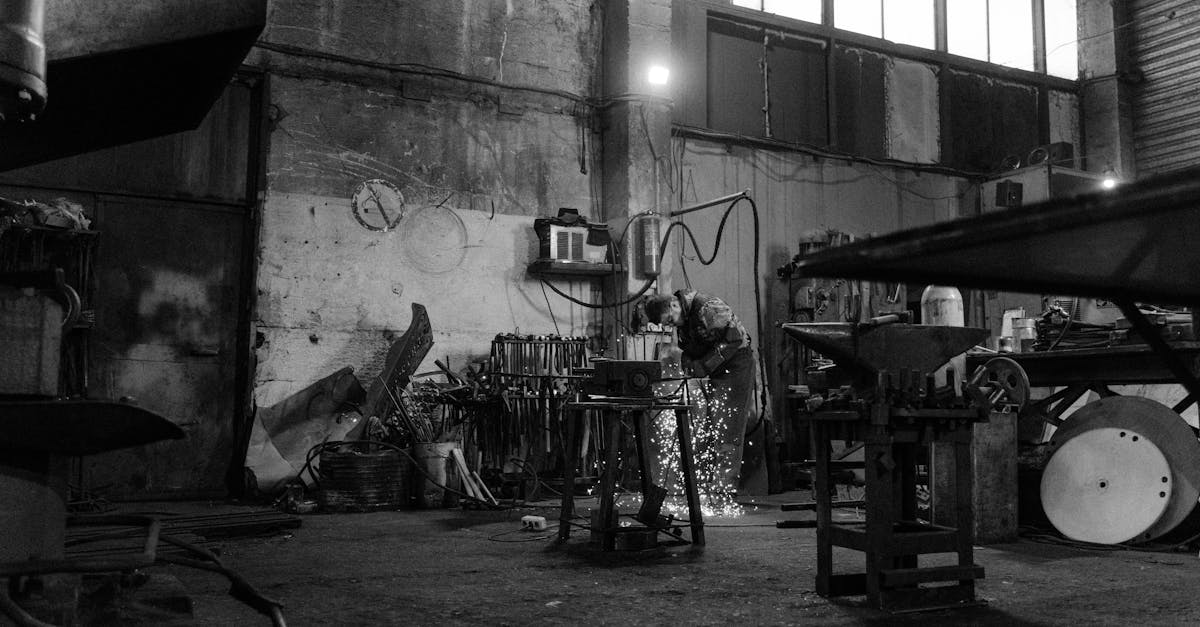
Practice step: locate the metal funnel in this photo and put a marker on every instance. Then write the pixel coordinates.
(870, 348)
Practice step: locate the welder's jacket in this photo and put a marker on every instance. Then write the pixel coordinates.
(712, 339)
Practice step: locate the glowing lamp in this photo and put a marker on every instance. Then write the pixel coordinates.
(658, 75)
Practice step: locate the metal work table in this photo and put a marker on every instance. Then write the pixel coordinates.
(1078, 371)
(1115, 365)
(1134, 243)
(614, 413)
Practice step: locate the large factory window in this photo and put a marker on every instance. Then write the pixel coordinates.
(909, 22)
(806, 10)
(1062, 31)
(1003, 32)
(859, 16)
(750, 72)
(768, 84)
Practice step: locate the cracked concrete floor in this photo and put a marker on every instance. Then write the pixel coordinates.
(462, 567)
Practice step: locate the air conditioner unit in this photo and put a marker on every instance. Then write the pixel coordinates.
(566, 243)
(569, 237)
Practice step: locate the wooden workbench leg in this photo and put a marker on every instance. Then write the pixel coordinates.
(570, 456)
(964, 482)
(906, 494)
(880, 470)
(683, 427)
(608, 480)
(819, 433)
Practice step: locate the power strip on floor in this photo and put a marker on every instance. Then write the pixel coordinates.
(533, 523)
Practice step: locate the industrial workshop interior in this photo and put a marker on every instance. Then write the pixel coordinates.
(667, 312)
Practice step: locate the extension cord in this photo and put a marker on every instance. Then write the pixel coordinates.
(533, 523)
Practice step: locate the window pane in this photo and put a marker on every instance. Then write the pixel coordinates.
(807, 10)
(1010, 31)
(966, 28)
(909, 22)
(750, 4)
(859, 16)
(1062, 50)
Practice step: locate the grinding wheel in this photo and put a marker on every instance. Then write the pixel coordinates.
(1169, 432)
(1106, 486)
(1010, 377)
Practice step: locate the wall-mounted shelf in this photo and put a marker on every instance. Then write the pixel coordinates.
(554, 267)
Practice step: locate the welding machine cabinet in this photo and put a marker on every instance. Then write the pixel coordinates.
(622, 377)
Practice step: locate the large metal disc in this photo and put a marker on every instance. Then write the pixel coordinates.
(1168, 431)
(1106, 486)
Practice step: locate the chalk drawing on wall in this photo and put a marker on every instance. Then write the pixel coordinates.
(435, 239)
(377, 205)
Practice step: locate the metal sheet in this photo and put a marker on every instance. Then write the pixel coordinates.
(1137, 241)
(1165, 48)
(1106, 486)
(1163, 427)
(148, 72)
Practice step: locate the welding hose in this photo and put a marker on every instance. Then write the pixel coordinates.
(16, 613)
(240, 589)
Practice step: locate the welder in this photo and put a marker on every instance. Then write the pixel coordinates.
(712, 343)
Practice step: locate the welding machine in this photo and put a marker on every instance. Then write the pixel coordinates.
(622, 377)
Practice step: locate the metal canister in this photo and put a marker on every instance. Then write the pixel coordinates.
(649, 234)
(942, 305)
(1024, 334)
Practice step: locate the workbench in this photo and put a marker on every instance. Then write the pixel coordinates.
(1078, 371)
(619, 418)
(1136, 243)
(1133, 243)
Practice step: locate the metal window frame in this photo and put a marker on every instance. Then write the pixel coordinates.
(941, 28)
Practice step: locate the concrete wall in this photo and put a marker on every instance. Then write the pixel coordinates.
(794, 194)
(470, 105)
(472, 109)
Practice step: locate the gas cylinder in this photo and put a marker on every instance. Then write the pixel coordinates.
(646, 245)
(943, 306)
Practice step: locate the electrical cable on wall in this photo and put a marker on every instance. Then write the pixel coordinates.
(733, 203)
(550, 309)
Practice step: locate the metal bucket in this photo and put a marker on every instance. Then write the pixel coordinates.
(435, 472)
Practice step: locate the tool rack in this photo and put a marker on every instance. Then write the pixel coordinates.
(891, 537)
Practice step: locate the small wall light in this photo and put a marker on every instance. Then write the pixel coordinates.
(1108, 182)
(658, 75)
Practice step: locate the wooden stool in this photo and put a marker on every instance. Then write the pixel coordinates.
(891, 537)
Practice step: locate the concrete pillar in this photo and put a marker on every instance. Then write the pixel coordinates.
(1106, 99)
(636, 118)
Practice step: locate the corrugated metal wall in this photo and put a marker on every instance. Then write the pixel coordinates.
(1166, 50)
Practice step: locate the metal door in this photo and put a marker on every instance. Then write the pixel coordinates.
(1166, 53)
(165, 337)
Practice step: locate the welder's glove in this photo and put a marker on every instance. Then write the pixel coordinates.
(712, 361)
(693, 367)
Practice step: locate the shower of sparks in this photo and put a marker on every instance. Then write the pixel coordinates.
(714, 454)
